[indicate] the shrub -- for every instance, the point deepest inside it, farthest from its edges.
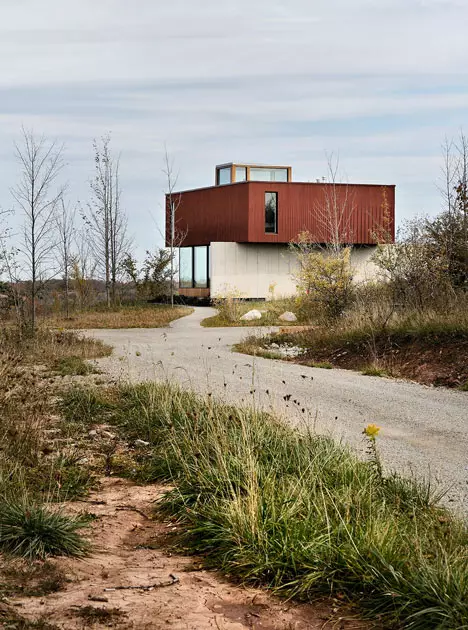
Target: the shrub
(324, 279)
(229, 304)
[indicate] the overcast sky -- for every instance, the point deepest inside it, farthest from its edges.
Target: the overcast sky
(381, 82)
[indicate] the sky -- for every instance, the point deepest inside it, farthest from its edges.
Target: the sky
(381, 83)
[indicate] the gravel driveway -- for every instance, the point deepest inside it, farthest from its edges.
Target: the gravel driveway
(424, 430)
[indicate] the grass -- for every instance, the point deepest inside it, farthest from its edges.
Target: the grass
(33, 531)
(30, 579)
(323, 365)
(139, 316)
(93, 614)
(38, 464)
(230, 312)
(11, 620)
(292, 510)
(18, 577)
(374, 370)
(73, 366)
(436, 342)
(49, 347)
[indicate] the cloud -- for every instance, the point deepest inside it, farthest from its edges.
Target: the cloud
(380, 81)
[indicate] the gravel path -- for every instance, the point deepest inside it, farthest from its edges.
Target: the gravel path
(424, 430)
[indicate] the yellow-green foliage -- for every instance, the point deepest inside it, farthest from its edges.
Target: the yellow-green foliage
(229, 304)
(324, 279)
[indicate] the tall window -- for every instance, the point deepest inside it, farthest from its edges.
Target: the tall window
(193, 267)
(185, 268)
(200, 258)
(271, 213)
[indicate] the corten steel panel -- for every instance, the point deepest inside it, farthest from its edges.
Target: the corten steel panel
(361, 212)
(212, 214)
(236, 213)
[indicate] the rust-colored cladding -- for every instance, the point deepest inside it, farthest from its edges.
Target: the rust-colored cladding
(236, 212)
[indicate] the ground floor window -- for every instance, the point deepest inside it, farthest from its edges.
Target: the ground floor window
(194, 267)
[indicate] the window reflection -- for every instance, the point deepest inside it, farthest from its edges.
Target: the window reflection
(241, 174)
(269, 174)
(271, 213)
(201, 267)
(224, 176)
(185, 267)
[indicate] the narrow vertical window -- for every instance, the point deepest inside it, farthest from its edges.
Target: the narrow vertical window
(200, 257)
(271, 213)
(186, 268)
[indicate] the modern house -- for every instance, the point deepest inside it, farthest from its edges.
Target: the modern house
(235, 235)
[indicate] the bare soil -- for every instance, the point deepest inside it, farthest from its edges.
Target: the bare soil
(131, 550)
(435, 360)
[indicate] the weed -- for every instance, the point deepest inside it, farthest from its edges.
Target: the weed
(12, 621)
(92, 614)
(323, 365)
(373, 370)
(231, 310)
(34, 531)
(73, 366)
(30, 579)
(128, 316)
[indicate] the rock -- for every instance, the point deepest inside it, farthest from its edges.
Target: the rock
(141, 443)
(288, 316)
(251, 315)
(92, 433)
(107, 434)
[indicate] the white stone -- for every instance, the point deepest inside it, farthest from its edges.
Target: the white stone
(251, 315)
(141, 443)
(288, 316)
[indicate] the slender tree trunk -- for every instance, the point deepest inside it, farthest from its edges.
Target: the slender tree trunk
(33, 264)
(172, 210)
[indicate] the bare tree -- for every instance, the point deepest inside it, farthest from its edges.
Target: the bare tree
(449, 230)
(41, 162)
(107, 220)
(174, 235)
(334, 213)
(65, 236)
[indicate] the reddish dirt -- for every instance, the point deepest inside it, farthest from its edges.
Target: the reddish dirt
(434, 360)
(130, 549)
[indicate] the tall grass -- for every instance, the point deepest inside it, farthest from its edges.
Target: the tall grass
(293, 510)
(35, 470)
(128, 316)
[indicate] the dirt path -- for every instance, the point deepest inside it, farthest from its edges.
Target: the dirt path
(131, 550)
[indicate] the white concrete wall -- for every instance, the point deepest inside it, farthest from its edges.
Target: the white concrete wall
(250, 269)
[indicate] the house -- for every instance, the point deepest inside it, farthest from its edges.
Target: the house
(235, 235)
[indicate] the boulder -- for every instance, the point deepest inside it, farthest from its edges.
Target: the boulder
(251, 315)
(288, 316)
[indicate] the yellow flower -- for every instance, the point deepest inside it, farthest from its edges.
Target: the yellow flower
(372, 431)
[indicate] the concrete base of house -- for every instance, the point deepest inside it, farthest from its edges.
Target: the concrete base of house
(261, 271)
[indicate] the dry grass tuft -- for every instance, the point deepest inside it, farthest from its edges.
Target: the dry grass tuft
(140, 316)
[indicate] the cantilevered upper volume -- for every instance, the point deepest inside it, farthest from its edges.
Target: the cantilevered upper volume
(246, 220)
